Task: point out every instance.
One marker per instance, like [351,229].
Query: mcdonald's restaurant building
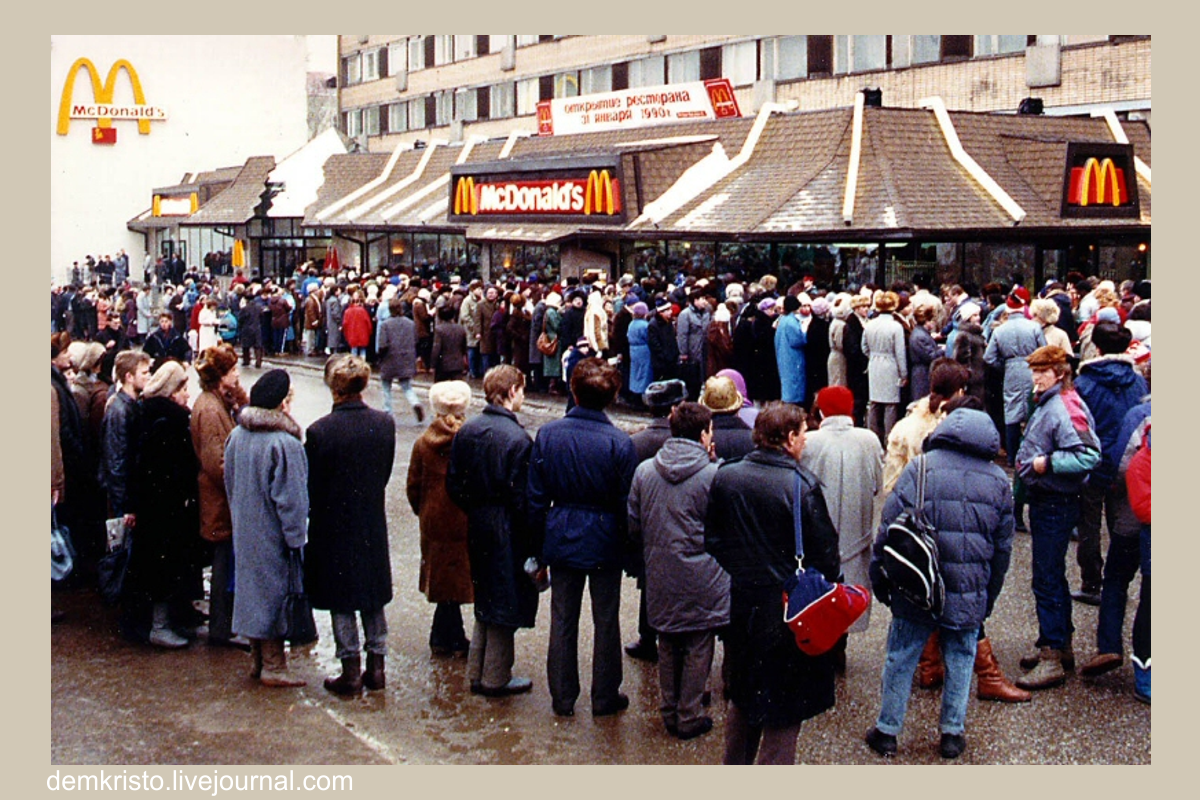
[849,195]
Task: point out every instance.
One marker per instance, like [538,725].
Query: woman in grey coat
[887,370]
[397,349]
[687,592]
[266,478]
[1011,344]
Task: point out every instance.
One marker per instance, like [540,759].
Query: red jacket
[356,326]
[1137,481]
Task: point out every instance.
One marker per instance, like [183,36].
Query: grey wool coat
[266,478]
[849,463]
[1010,344]
[883,342]
[686,589]
[397,348]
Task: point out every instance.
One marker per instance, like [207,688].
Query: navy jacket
[968,498]
[1110,387]
[579,476]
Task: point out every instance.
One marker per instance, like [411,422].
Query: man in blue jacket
[1110,387]
[580,472]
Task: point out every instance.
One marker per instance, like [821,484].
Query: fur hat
[166,380]
[859,301]
[887,302]
[85,355]
[450,398]
[721,396]
[1047,356]
[271,389]
[662,394]
[835,401]
[554,300]
[968,310]
[722,314]
[734,290]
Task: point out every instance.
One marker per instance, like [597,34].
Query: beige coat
[906,439]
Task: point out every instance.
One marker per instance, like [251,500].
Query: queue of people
[699,507]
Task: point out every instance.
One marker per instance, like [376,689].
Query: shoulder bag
[62,551]
[817,611]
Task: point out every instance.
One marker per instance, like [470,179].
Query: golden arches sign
[465,199]
[599,197]
[102,93]
[1107,179]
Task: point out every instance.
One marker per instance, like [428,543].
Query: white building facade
[207,102]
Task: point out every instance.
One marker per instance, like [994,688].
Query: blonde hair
[1045,311]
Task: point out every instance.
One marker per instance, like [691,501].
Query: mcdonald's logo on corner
[466,201]
[102,107]
[1100,182]
[600,197]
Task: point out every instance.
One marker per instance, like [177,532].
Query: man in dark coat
[347,567]
[397,348]
[664,348]
[750,530]
[489,463]
[579,477]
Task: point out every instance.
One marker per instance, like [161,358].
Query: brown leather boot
[931,672]
[374,677]
[992,685]
[350,681]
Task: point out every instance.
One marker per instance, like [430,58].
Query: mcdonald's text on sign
[633,108]
[103,108]
[596,194]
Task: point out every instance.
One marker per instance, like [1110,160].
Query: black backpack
[910,555]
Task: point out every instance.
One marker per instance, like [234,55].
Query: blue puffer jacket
[968,499]
[1110,387]
[1062,428]
[579,476]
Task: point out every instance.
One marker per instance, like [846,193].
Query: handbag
[296,623]
[112,566]
[817,611]
[62,551]
[910,555]
[545,345]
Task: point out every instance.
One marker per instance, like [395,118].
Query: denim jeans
[1120,567]
[906,640]
[1141,621]
[474,362]
[1051,519]
[410,394]
[345,633]
[361,352]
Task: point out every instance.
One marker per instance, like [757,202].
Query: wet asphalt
[116,702]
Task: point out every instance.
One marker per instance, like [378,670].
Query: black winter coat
[816,359]
[167,547]
[750,531]
[488,472]
[732,436]
[347,562]
[119,452]
[664,349]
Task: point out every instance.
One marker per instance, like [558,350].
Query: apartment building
[396,89]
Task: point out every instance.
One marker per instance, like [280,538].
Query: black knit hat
[271,389]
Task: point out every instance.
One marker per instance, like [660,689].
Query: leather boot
[350,681]
[1030,660]
[374,678]
[992,685]
[1047,674]
[931,672]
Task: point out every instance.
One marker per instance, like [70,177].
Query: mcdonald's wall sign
[1100,181]
[102,108]
[550,190]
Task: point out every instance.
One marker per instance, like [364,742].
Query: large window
[371,120]
[502,102]
[373,64]
[397,117]
[820,55]
[464,46]
[566,84]
[528,95]
[465,106]
[785,58]
[649,71]
[926,48]
[739,63]
[444,107]
[352,69]
[861,53]
[999,44]
[443,49]
[683,67]
[595,80]
[397,57]
[497,42]
[416,53]
[416,114]
[353,122]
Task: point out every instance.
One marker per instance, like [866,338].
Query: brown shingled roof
[344,173]
[235,205]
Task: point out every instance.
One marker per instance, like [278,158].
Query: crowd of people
[913,397]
